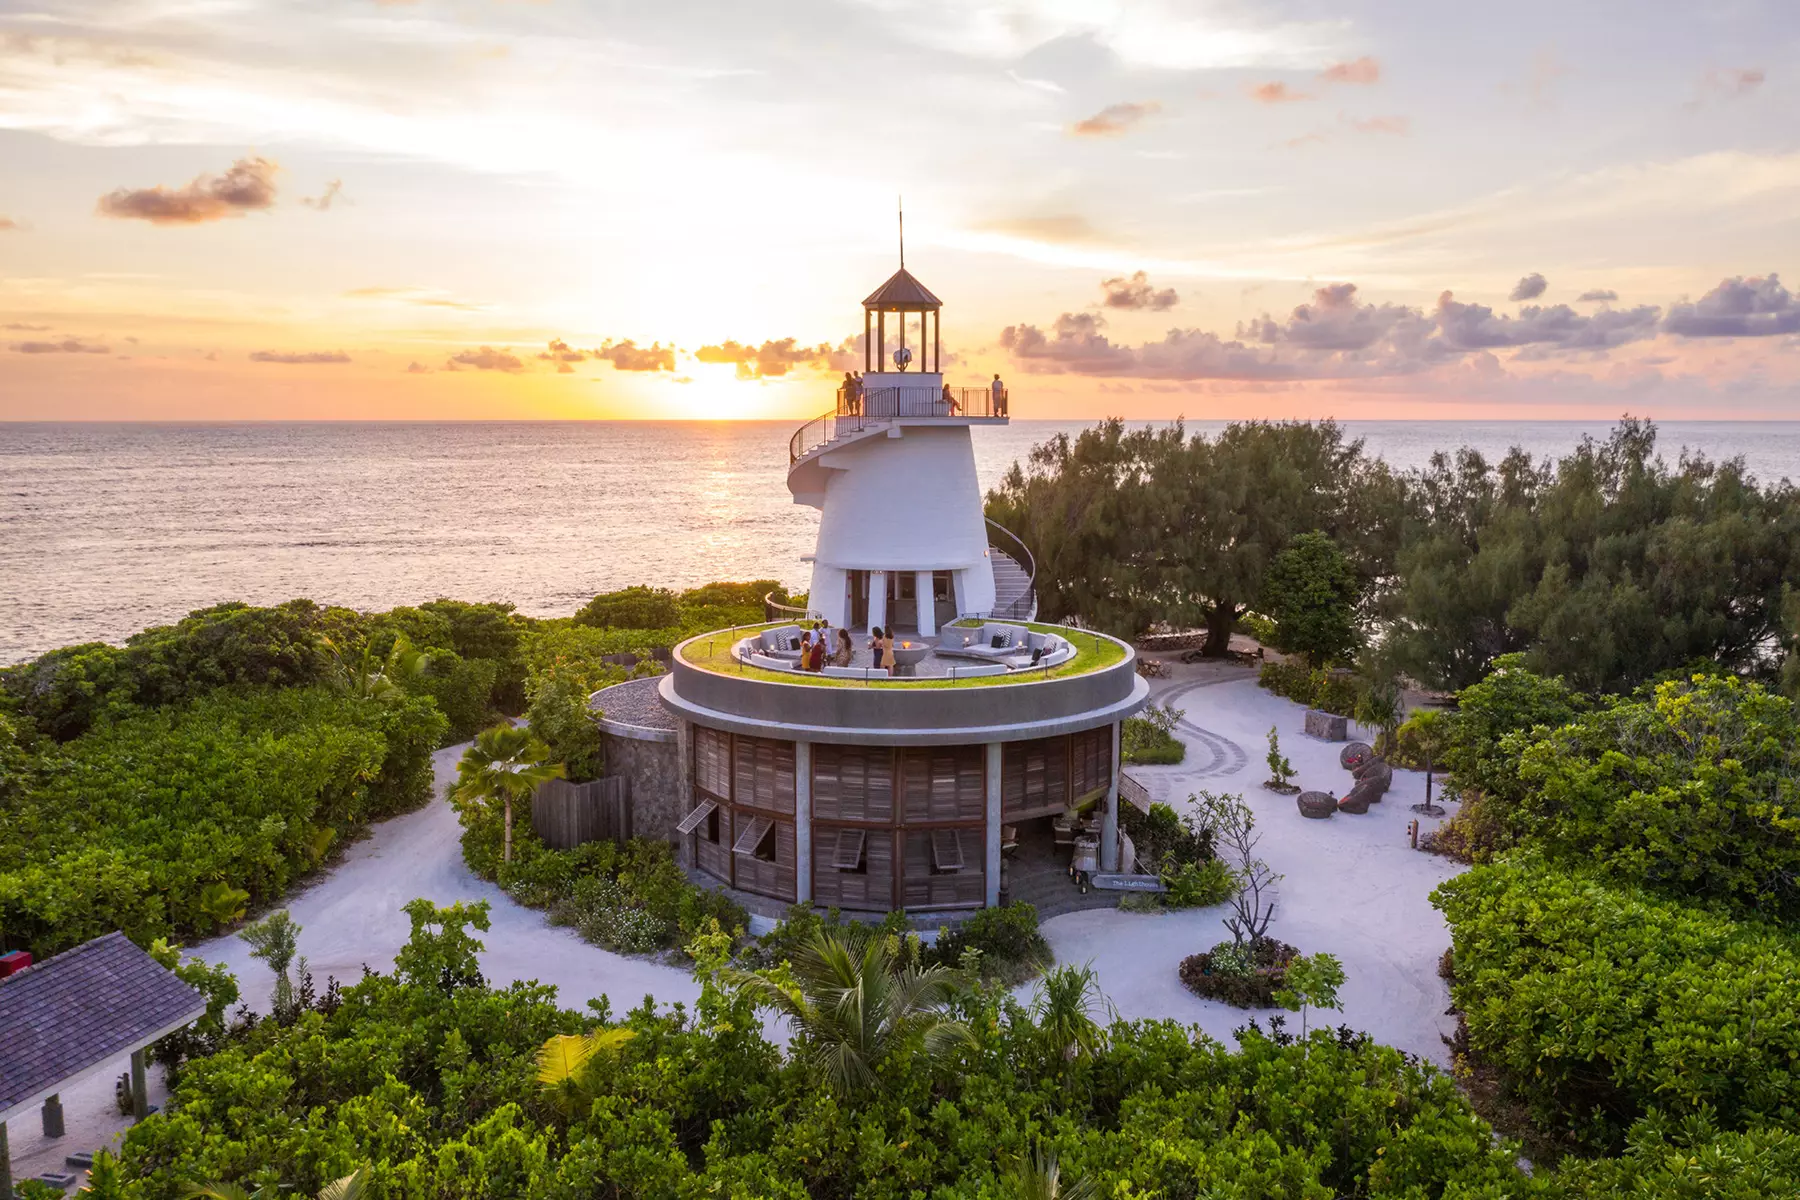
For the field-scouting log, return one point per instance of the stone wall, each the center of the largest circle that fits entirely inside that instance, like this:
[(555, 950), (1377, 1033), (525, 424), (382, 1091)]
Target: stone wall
[(656, 792)]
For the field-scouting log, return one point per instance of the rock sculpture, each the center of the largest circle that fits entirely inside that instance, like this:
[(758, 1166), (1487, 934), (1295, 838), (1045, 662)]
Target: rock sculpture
[(1373, 777)]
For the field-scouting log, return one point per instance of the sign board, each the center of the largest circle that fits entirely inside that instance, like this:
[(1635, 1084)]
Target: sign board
[(1127, 883)]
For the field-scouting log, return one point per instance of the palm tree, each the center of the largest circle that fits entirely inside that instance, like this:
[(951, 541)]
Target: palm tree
[(1064, 1009), (350, 1187), (378, 678), (566, 1065), (852, 1006), (275, 939), (506, 763), (1040, 1178)]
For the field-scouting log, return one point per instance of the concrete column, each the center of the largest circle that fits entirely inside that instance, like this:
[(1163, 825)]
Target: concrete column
[(140, 1094), (878, 599), (922, 581), (53, 1117), (1109, 824), (6, 1188), (993, 824), (803, 872)]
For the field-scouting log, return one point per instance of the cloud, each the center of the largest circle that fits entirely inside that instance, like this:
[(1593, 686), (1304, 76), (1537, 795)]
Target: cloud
[(628, 356), (1334, 336), (249, 186), (1530, 287), (27, 328), (1062, 228), (65, 346), (1115, 119), (1276, 92), (1360, 70), (299, 357), (1136, 292), (1739, 307), (1397, 125), (1729, 83), (322, 202), (486, 359), (7, 223), (1597, 295), (422, 297), (562, 354), (769, 360), (417, 368)]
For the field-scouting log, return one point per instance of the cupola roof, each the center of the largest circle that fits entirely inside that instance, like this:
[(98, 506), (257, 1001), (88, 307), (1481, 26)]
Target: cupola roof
[(902, 293)]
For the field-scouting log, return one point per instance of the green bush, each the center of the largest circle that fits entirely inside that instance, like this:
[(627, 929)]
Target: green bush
[(1602, 1005), (1144, 743), (632, 608), (1292, 679), (463, 690), (1239, 974), (127, 826), (1199, 885), (430, 1078), (1012, 948)]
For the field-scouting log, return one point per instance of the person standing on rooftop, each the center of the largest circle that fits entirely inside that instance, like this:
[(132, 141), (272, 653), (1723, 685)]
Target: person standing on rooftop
[(999, 393)]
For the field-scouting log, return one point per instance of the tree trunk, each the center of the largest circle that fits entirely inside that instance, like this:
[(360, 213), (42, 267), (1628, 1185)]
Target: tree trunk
[(1219, 621), (506, 845)]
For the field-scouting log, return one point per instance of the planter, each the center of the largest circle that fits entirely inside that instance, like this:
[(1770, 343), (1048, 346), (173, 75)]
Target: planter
[(1267, 976)]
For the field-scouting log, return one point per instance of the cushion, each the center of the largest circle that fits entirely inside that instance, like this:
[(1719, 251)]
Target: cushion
[(793, 643), (998, 641)]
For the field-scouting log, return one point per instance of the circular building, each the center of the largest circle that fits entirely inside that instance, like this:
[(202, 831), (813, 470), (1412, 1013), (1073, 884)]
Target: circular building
[(990, 747)]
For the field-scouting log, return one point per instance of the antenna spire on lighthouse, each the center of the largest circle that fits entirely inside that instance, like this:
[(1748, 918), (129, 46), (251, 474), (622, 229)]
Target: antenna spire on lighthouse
[(901, 201)]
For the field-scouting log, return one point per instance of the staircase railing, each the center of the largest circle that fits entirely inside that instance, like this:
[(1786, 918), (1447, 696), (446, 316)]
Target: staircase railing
[(1022, 606), (856, 410)]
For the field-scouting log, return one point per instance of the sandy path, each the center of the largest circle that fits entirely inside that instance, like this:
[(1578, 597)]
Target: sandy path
[(1353, 886)]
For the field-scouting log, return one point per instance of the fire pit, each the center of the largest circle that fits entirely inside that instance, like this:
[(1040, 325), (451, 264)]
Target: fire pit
[(908, 655)]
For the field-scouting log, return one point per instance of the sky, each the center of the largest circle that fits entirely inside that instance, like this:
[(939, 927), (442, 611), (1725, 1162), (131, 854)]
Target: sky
[(445, 209)]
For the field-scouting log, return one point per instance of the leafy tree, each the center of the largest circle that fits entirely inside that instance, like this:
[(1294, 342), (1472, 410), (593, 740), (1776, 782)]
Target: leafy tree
[(1311, 982), (1310, 591), (275, 939), (853, 1007), (505, 764), (441, 952)]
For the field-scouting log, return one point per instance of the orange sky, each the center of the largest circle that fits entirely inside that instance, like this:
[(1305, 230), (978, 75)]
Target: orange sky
[(461, 209)]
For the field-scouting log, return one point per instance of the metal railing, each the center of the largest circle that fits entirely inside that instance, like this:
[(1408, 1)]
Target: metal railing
[(1020, 609), (857, 409), (774, 610)]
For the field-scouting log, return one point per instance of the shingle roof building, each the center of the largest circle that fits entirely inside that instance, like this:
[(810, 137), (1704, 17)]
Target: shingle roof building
[(72, 1013)]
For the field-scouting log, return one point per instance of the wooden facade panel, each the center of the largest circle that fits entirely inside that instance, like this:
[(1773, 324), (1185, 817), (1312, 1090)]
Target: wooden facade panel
[(763, 771), (712, 762), (853, 783), (943, 783), (923, 885), (870, 887), (1034, 777), (1090, 761), (712, 841)]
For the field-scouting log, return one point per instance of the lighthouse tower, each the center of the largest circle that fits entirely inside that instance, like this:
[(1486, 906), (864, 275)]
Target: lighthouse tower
[(903, 542)]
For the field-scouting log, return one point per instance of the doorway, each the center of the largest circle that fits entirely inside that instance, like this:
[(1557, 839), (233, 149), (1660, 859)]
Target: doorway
[(858, 582)]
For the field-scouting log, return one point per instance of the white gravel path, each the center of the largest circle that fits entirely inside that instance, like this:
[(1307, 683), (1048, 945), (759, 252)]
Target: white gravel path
[(1353, 886)]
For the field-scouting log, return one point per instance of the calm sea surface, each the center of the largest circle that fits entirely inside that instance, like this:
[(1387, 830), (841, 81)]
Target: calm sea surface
[(105, 529)]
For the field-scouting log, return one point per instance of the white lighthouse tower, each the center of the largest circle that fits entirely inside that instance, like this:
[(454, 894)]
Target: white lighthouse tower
[(903, 542)]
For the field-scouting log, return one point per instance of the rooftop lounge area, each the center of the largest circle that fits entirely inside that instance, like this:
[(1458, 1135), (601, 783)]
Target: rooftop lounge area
[(966, 652)]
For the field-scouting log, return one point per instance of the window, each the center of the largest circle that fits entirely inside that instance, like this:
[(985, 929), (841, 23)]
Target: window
[(907, 582), (850, 853), (940, 586), (757, 840), (946, 851), (704, 812)]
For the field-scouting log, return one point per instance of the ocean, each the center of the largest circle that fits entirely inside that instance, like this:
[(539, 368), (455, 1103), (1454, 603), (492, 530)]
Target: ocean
[(108, 528)]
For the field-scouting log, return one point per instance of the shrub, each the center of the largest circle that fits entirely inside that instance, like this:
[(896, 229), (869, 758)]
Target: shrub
[(1163, 840), (1509, 704), (1239, 974), (462, 688), (1199, 885), (1337, 692), (1012, 948), (1149, 739), (1602, 1005), (632, 608), (141, 822), (1328, 690), (1420, 741), (1292, 679)]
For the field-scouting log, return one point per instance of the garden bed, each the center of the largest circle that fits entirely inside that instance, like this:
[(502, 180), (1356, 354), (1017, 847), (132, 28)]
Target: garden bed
[(1238, 975)]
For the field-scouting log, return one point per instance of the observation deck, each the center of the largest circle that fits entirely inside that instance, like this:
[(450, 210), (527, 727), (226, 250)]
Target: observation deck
[(876, 411)]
